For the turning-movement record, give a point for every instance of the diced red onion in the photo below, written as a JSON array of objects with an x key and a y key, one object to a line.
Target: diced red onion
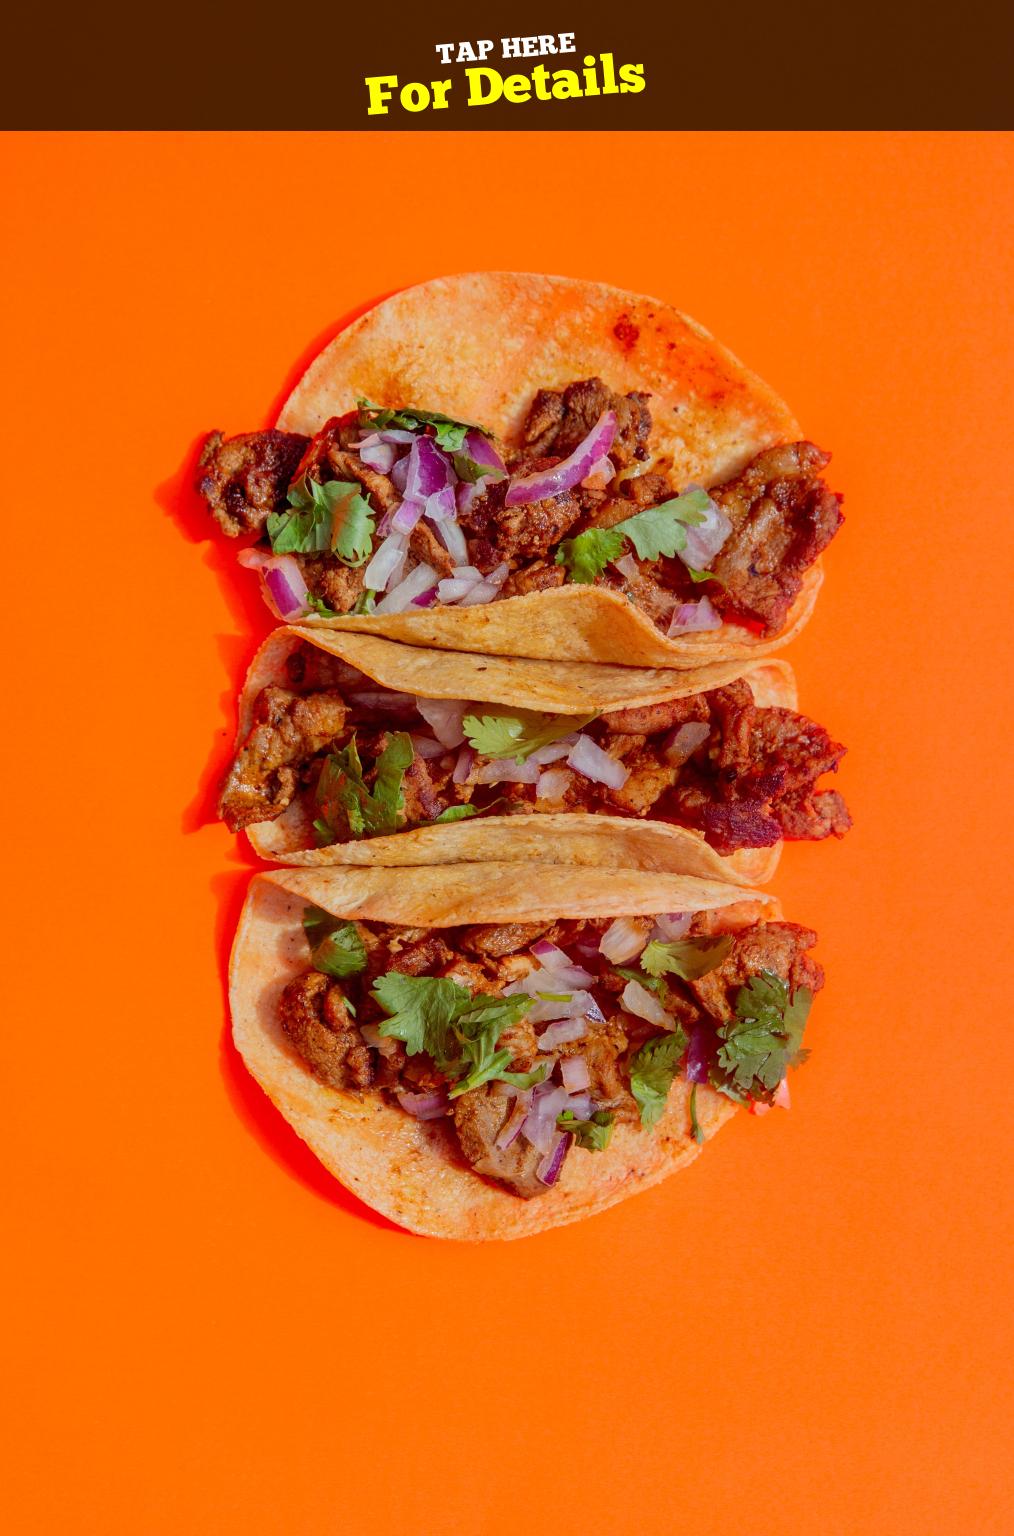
[
  {"x": 553, "y": 784},
  {"x": 404, "y": 594},
  {"x": 425, "y": 599},
  {"x": 553, "y": 752},
  {"x": 453, "y": 588},
  {"x": 453, "y": 539},
  {"x": 592, "y": 763},
  {"x": 282, "y": 584},
  {"x": 600, "y": 475},
  {"x": 387, "y": 435},
  {"x": 504, "y": 770},
  {"x": 379, "y": 456},
  {"x": 682, "y": 743},
  {"x": 558, "y": 1004},
  {"x": 548, "y": 1170},
  {"x": 426, "y": 747},
  {"x": 622, "y": 940},
  {"x": 540, "y": 1123},
  {"x": 628, "y": 566},
  {"x": 704, "y": 540},
  {"x": 570, "y": 471},
  {"x": 424, "y": 1106},
  {"x": 444, "y": 717},
  {"x": 547, "y": 951},
  {"x": 692, "y": 617},
  {"x": 645, "y": 1005},
  {"x": 562, "y": 1032},
  {"x": 554, "y": 976},
  {"x": 673, "y": 925},
  {"x": 441, "y": 505},
  {"x": 512, "y": 1126},
  {"x": 428, "y": 470},
  {"x": 484, "y": 591},
  {"x": 465, "y": 493},
  {"x": 481, "y": 450},
  {"x": 399, "y": 475},
  {"x": 388, "y": 559},
  {"x": 579, "y": 1104},
  {"x": 575, "y": 1073},
  {"x": 407, "y": 515},
  {"x": 698, "y": 1055},
  {"x": 463, "y": 767}
]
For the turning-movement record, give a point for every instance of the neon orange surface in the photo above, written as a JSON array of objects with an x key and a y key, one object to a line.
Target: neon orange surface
[{"x": 807, "y": 1332}]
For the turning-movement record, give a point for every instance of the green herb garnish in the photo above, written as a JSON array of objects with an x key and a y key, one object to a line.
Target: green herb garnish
[
  {"x": 686, "y": 958},
  {"x": 655, "y": 532},
  {"x": 345, "y": 799},
  {"x": 450, "y": 434},
  {"x": 335, "y": 517},
  {"x": 520, "y": 733},
  {"x": 763, "y": 1040},
  {"x": 341, "y": 953},
  {"x": 652, "y": 1070},
  {"x": 460, "y": 1032},
  {"x": 593, "y": 1134}
]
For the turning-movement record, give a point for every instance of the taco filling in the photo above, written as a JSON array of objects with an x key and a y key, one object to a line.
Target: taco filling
[
  {"x": 367, "y": 761},
  {"x": 387, "y": 510},
  {"x": 534, "y": 1040}
]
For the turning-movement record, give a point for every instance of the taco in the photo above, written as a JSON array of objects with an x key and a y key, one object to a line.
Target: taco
[
  {"x": 478, "y": 1054},
  {"x": 532, "y": 466},
  {"x": 354, "y": 749}
]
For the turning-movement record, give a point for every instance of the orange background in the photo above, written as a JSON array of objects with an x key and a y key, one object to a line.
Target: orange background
[{"x": 808, "y": 1332}]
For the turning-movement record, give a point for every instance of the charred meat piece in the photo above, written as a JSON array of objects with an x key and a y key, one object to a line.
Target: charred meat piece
[
  {"x": 534, "y": 578},
  {"x": 782, "y": 516},
  {"x": 814, "y": 816},
  {"x": 287, "y": 731},
  {"x": 314, "y": 1017},
  {"x": 340, "y": 586},
  {"x": 244, "y": 479},
  {"x": 479, "y": 1117},
  {"x": 650, "y": 718},
  {"x": 494, "y": 940},
  {"x": 777, "y": 947},
  {"x": 521, "y": 533},
  {"x": 559, "y": 420}
]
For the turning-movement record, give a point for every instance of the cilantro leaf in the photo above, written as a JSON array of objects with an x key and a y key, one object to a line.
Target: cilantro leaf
[
  {"x": 421, "y": 1009},
  {"x": 695, "y": 1126},
  {"x": 341, "y": 953},
  {"x": 524, "y": 1079},
  {"x": 470, "y": 470},
  {"x": 520, "y": 733},
  {"x": 696, "y": 575},
  {"x": 657, "y": 531},
  {"x": 317, "y": 924},
  {"x": 594, "y": 1134},
  {"x": 454, "y": 813},
  {"x": 686, "y": 958},
  {"x": 764, "y": 1039},
  {"x": 460, "y": 1032},
  {"x": 450, "y": 433},
  {"x": 325, "y": 837},
  {"x": 587, "y": 554},
  {"x": 345, "y": 799},
  {"x": 652, "y": 1070},
  {"x": 365, "y": 602},
  {"x": 652, "y": 983},
  {"x": 320, "y": 607},
  {"x": 335, "y": 517}
]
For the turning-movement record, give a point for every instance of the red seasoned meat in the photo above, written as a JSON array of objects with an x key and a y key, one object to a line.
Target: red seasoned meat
[{"x": 244, "y": 479}]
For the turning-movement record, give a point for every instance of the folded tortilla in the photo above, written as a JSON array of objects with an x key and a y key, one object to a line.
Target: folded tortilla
[
  {"x": 478, "y": 346},
  {"x": 590, "y": 838},
  {"x": 411, "y": 1170}
]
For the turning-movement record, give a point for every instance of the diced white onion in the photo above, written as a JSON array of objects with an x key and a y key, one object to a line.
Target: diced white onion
[
  {"x": 627, "y": 566},
  {"x": 673, "y": 925},
  {"x": 575, "y": 1074},
  {"x": 444, "y": 717},
  {"x": 623, "y": 939},
  {"x": 645, "y": 1005},
  {"x": 589, "y": 760},
  {"x": 453, "y": 539},
  {"x": 704, "y": 540},
  {"x": 685, "y": 740},
  {"x": 690, "y": 618},
  {"x": 562, "y": 1032},
  {"x": 553, "y": 784},
  {"x": 387, "y": 562},
  {"x": 504, "y": 770},
  {"x": 553, "y": 752},
  {"x": 561, "y": 1005},
  {"x": 401, "y": 596},
  {"x": 425, "y": 746}
]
